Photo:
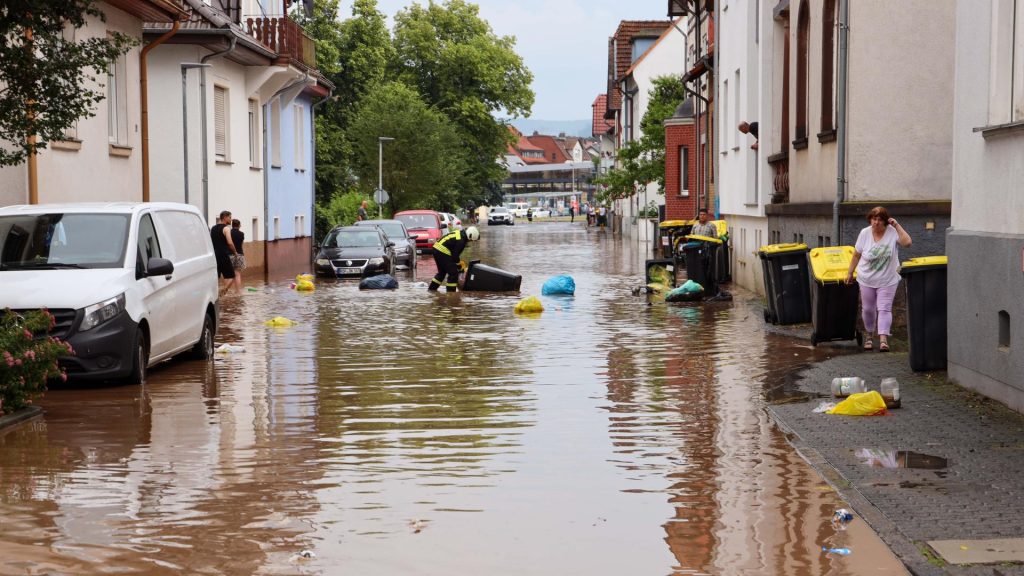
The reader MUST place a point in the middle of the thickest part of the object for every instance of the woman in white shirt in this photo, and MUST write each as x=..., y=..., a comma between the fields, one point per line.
x=876, y=260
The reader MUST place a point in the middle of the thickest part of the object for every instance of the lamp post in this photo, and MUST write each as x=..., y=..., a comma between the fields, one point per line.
x=380, y=169
x=185, y=67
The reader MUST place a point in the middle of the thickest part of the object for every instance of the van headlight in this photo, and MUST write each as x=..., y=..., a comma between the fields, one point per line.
x=376, y=261
x=100, y=312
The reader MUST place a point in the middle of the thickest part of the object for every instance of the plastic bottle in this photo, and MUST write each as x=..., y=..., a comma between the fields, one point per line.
x=843, y=387
x=890, y=390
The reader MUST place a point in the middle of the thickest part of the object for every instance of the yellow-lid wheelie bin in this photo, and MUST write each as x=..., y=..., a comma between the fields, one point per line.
x=787, y=287
x=833, y=301
x=926, y=311
x=723, y=266
x=701, y=255
x=672, y=233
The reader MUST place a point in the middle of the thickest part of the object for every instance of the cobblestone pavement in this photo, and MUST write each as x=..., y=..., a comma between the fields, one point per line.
x=979, y=495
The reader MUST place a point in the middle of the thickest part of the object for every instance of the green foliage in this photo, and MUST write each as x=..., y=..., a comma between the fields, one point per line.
x=421, y=164
x=643, y=161
x=342, y=210
x=461, y=68
x=49, y=82
x=27, y=363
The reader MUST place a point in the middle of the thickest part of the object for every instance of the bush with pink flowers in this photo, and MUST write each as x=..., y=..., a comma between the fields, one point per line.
x=27, y=362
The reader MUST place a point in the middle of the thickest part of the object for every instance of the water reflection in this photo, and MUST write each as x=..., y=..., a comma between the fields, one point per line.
x=401, y=432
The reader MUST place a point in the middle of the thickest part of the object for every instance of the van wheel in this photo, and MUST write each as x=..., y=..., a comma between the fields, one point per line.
x=140, y=358
x=203, y=350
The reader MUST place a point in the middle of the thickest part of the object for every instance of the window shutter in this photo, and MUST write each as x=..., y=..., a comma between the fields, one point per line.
x=220, y=132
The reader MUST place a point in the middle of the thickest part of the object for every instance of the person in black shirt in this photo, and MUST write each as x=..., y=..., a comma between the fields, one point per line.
x=238, y=258
x=750, y=128
x=224, y=248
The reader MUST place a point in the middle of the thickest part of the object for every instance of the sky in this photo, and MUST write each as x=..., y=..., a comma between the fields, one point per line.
x=563, y=42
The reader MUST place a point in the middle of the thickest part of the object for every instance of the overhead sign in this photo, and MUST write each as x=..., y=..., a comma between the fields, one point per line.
x=380, y=196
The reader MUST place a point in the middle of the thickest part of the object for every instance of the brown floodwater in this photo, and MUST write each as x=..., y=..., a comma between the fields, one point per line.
x=403, y=432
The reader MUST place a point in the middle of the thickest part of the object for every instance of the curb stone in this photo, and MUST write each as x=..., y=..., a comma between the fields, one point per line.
x=20, y=417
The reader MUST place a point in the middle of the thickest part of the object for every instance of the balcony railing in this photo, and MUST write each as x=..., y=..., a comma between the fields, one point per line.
x=780, y=167
x=284, y=36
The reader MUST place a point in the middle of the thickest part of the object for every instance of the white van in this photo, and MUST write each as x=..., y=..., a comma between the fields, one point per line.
x=518, y=209
x=129, y=284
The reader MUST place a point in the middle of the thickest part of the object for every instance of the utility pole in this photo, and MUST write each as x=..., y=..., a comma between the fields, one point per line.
x=380, y=171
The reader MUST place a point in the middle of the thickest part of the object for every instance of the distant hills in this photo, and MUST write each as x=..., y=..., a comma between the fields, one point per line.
x=554, y=127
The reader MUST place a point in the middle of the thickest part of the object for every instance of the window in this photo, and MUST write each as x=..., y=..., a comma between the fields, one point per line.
x=275, y=133
x=641, y=45
x=254, y=133
x=736, y=110
x=828, y=27
x=220, y=123
x=277, y=227
x=149, y=244
x=726, y=121
x=684, y=171
x=255, y=229
x=802, y=39
x=1006, y=65
x=300, y=137
x=117, y=102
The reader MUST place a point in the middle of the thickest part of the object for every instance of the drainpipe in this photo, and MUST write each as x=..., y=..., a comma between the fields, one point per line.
x=717, y=112
x=203, y=136
x=844, y=30
x=144, y=104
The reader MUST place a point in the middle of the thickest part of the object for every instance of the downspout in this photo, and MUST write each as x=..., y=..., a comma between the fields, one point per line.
x=144, y=104
x=203, y=136
x=844, y=30
x=716, y=115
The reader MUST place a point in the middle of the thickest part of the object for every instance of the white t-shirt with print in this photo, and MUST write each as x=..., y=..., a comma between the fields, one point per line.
x=879, y=261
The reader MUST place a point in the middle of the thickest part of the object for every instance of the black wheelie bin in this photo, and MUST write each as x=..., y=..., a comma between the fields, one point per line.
x=484, y=278
x=787, y=283
x=833, y=301
x=926, y=311
x=701, y=253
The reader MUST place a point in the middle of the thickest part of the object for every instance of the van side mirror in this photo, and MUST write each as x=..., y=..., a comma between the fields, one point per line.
x=159, y=267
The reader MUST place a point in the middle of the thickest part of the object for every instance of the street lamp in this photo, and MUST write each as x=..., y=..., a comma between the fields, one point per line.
x=185, y=67
x=380, y=169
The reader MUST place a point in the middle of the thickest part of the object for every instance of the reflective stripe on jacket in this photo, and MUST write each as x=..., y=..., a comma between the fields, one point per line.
x=451, y=244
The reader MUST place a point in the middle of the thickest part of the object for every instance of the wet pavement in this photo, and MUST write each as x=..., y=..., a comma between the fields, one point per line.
x=403, y=432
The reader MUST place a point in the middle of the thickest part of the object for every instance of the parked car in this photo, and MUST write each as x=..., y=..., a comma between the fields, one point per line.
x=447, y=222
x=540, y=212
x=425, y=224
x=405, y=242
x=500, y=215
x=518, y=209
x=453, y=221
x=129, y=284
x=355, y=251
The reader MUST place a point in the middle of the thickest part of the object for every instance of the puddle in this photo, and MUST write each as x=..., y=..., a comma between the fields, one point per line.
x=901, y=459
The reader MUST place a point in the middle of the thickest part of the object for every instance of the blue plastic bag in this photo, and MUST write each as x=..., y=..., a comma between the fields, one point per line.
x=379, y=282
x=686, y=293
x=561, y=284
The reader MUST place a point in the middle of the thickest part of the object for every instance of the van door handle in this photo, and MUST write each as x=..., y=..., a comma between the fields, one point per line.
x=168, y=277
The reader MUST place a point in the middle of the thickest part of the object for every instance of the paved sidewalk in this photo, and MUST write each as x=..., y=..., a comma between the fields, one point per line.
x=980, y=495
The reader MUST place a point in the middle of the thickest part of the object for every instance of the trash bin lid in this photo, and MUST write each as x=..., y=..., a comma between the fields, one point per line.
x=924, y=263
x=830, y=264
x=722, y=227
x=675, y=223
x=700, y=238
x=772, y=249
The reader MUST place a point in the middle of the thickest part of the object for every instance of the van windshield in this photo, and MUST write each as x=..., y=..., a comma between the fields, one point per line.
x=54, y=241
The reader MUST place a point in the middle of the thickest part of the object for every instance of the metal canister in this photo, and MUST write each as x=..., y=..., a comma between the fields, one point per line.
x=843, y=387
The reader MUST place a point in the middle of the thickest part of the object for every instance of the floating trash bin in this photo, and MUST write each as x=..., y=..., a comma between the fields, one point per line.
x=484, y=278
x=701, y=253
x=926, y=311
x=787, y=287
x=833, y=301
x=660, y=271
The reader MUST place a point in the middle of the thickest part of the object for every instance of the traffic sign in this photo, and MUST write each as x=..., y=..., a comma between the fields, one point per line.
x=380, y=196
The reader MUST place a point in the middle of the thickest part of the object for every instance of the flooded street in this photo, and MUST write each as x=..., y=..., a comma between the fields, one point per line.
x=404, y=432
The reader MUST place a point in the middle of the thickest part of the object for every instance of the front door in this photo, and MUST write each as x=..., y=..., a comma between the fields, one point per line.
x=158, y=303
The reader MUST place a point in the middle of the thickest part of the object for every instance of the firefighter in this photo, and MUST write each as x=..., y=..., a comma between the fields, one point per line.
x=447, y=252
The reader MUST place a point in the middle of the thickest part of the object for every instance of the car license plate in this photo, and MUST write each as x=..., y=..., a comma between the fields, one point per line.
x=350, y=270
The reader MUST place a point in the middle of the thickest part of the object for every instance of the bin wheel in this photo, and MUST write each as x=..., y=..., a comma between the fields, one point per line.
x=814, y=338
x=860, y=339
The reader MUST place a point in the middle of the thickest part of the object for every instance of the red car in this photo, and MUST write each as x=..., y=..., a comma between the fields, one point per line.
x=426, y=225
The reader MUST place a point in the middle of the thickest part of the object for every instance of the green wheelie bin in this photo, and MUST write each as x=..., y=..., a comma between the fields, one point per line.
x=787, y=284
x=833, y=301
x=926, y=311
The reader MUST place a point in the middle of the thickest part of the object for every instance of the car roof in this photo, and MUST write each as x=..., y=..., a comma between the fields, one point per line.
x=365, y=223
x=418, y=212
x=352, y=228
x=94, y=207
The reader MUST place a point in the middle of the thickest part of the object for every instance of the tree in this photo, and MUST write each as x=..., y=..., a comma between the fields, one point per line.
x=461, y=68
x=424, y=161
x=49, y=81
x=642, y=161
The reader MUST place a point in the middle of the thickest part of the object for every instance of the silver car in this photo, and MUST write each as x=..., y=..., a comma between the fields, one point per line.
x=405, y=242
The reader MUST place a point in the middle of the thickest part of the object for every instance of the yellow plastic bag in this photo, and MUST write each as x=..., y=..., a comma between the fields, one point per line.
x=306, y=277
x=305, y=286
x=861, y=404
x=280, y=321
x=659, y=275
x=657, y=287
x=529, y=305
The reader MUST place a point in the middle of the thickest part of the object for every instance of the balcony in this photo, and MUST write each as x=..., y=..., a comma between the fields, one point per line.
x=780, y=166
x=284, y=36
